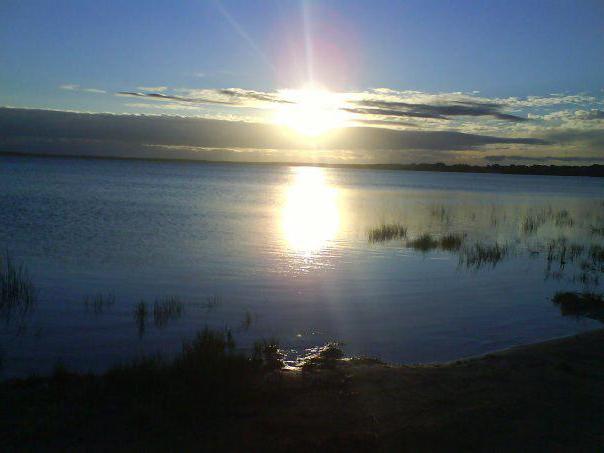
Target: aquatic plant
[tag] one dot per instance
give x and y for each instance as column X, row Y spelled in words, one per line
column 167, row 309
column 451, row 242
column 580, row 304
column 268, row 354
column 424, row 243
column 322, row 357
column 247, row 320
column 597, row 231
column 99, row 302
column 210, row 376
column 16, row 286
column 441, row 213
column 212, row 302
column 562, row 218
column 140, row 316
column 17, row 291
column 479, row 255
column 596, row 253
column 531, row 223
column 387, row 232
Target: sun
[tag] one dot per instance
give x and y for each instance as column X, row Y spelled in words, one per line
column 310, row 111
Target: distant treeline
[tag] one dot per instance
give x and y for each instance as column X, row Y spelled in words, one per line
column 554, row 170
column 594, row 170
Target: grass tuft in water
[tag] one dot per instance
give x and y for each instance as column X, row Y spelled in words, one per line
column 387, row 232
column 99, row 302
column 532, row 222
column 17, row 291
column 480, row 255
column 451, row 242
column 140, row 316
column 597, row 231
column 424, row 243
column 16, row 286
column 167, row 309
column 580, row 304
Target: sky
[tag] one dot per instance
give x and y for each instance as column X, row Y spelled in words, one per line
column 307, row 80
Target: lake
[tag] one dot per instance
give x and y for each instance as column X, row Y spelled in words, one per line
column 285, row 252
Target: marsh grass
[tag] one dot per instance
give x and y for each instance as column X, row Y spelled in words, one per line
column 563, row 219
column 323, row 357
column 268, row 354
column 17, row 291
column 212, row 302
column 561, row 252
column 99, row 303
column 140, row 316
column 534, row 220
column 247, row 321
column 479, row 255
column 209, row 376
column 441, row 213
column 167, row 309
column 425, row 242
column 450, row 242
column 596, row 253
column 597, row 231
column 387, row 232
column 586, row 304
column 16, row 286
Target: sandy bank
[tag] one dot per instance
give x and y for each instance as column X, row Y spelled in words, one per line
column 547, row 396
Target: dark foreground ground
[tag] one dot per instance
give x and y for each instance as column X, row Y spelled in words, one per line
column 544, row 397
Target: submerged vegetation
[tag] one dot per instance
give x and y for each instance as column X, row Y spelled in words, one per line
column 387, row 232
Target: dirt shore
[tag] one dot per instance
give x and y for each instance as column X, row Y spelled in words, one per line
column 542, row 397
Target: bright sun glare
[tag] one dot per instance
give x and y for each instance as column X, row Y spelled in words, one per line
column 310, row 217
column 311, row 111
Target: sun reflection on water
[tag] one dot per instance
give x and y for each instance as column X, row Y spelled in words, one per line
column 310, row 216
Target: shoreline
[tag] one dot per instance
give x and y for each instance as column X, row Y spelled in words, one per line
column 591, row 171
column 546, row 395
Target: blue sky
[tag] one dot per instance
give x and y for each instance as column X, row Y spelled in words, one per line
column 77, row 56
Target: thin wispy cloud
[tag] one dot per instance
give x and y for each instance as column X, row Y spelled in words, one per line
column 73, row 87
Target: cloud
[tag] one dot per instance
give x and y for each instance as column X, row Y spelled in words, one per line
column 537, row 159
column 592, row 115
column 169, row 97
column 158, row 88
column 72, row 87
column 236, row 97
column 162, row 130
column 435, row 111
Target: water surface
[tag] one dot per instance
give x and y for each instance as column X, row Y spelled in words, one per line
column 284, row 251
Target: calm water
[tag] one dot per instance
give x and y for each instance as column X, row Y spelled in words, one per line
column 284, row 252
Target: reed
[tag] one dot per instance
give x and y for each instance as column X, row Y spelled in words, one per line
column 387, row 232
